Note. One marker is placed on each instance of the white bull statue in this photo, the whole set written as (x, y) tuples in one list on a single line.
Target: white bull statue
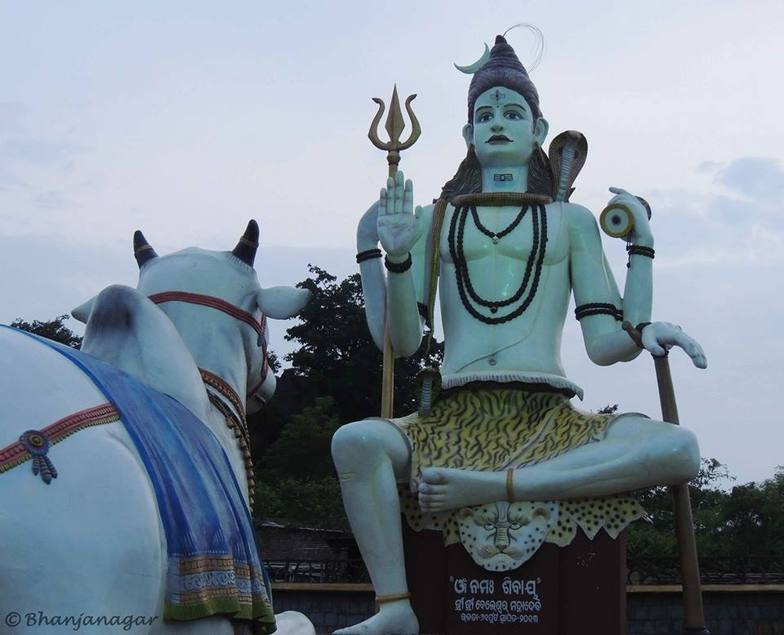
[(87, 521)]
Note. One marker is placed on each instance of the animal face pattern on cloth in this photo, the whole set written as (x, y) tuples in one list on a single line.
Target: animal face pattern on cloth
[(502, 536)]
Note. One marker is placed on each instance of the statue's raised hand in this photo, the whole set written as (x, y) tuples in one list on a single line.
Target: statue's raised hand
[(641, 234), (659, 337), (398, 228)]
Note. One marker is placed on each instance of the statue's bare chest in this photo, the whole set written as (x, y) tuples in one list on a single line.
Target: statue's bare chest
[(489, 236)]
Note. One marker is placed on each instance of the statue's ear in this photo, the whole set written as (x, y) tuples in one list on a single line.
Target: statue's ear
[(468, 134), (82, 312), (541, 128), (280, 303)]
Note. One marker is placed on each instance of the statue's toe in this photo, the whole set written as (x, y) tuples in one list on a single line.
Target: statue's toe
[(433, 476)]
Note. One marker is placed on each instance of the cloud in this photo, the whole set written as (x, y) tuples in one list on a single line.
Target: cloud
[(709, 167), (26, 154), (36, 172), (755, 177), (38, 151), (737, 220), (52, 200), (11, 115)]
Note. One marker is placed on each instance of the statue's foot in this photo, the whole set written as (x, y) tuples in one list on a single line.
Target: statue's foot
[(395, 618), (443, 488)]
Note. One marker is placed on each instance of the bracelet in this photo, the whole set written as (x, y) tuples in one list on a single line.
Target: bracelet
[(392, 597), (639, 250), (368, 254), (510, 485), (598, 308), (398, 267)]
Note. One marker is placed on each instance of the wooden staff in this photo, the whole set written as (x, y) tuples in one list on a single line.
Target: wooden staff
[(694, 615), (394, 126)]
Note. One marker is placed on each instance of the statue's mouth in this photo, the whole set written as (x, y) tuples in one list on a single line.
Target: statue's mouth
[(499, 138)]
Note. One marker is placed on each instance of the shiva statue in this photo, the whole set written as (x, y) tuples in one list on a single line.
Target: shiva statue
[(504, 248)]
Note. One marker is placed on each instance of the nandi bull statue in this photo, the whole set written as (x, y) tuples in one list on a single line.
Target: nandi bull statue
[(125, 476)]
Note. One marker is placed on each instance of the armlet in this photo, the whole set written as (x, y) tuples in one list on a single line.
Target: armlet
[(598, 308)]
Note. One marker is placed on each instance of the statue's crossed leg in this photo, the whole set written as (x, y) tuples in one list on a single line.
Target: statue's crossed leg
[(371, 456)]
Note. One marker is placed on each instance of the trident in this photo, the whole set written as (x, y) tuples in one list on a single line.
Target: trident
[(394, 126)]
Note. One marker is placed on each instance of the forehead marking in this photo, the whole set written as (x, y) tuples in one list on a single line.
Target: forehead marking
[(499, 96)]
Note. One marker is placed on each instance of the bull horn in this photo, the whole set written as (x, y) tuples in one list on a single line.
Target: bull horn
[(248, 244), (142, 250)]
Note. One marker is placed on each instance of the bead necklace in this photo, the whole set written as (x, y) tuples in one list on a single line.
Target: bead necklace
[(492, 304), (496, 236), (464, 285)]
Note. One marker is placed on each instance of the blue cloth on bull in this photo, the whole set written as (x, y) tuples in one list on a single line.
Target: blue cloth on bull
[(214, 567)]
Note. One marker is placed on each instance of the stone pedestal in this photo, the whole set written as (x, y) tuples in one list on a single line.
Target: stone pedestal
[(559, 591)]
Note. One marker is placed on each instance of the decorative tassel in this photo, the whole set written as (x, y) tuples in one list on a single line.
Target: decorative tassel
[(37, 444), (43, 465)]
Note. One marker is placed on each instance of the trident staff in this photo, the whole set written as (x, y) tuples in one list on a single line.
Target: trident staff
[(617, 221), (394, 126)]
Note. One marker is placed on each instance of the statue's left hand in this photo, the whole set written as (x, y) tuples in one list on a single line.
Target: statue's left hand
[(659, 337), (641, 234)]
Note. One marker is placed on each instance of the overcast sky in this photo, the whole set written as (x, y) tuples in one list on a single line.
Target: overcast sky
[(186, 119)]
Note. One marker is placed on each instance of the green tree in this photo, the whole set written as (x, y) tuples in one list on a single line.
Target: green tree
[(753, 518), (655, 535), (334, 378), (52, 329), (302, 449), (296, 480), (337, 356)]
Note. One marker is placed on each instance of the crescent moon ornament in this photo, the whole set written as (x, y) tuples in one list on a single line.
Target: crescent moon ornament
[(470, 69)]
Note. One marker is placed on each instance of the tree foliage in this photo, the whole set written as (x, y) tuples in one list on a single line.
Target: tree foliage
[(334, 378), (54, 329), (730, 522)]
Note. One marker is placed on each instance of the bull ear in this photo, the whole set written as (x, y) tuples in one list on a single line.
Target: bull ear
[(142, 250), (82, 312), (280, 303), (248, 244)]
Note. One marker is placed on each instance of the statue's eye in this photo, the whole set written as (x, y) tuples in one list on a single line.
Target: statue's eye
[(513, 114), (484, 117)]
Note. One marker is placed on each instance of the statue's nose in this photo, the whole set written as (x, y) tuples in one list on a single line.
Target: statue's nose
[(502, 538), (497, 126)]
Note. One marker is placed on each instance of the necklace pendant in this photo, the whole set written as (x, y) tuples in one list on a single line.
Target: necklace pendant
[(495, 240), (493, 309)]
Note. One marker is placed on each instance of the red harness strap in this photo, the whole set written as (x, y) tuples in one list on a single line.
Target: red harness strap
[(213, 303), (226, 307), (16, 453)]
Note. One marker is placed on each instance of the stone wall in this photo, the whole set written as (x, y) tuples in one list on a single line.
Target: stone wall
[(328, 610), (732, 611), (729, 612)]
